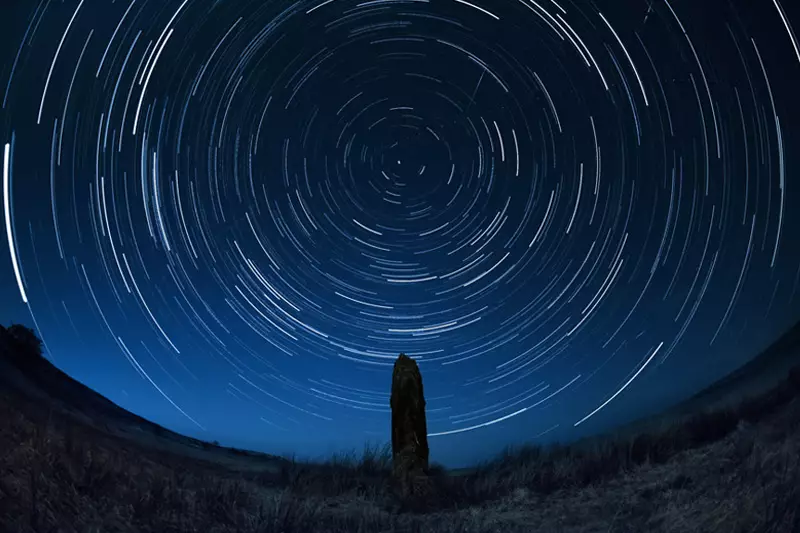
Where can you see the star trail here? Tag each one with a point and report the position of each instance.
(230, 217)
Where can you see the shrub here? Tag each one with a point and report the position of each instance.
(20, 341)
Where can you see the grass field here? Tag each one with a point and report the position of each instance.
(733, 470)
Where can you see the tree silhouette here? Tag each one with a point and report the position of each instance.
(20, 341)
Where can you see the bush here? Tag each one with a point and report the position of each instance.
(20, 341)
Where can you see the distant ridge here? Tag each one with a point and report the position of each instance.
(40, 381)
(33, 378)
(754, 377)
(763, 372)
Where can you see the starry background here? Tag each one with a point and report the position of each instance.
(230, 216)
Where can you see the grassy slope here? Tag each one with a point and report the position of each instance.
(717, 473)
(734, 469)
(37, 381)
(755, 378)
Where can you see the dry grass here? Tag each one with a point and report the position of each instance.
(734, 470)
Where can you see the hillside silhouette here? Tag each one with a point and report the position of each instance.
(725, 460)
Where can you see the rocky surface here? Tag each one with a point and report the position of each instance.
(409, 429)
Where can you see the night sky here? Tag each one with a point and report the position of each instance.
(231, 216)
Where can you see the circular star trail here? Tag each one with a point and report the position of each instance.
(231, 217)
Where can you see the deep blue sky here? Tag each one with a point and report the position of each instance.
(230, 217)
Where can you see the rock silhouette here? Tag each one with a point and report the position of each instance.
(409, 429)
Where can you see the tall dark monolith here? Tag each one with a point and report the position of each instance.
(409, 430)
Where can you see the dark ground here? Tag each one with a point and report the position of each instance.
(72, 463)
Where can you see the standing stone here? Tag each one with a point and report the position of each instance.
(409, 430)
